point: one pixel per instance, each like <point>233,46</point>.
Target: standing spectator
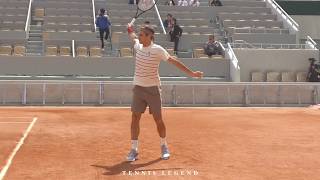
<point>212,47</point>
<point>183,3</point>
<point>168,22</point>
<point>215,3</point>
<point>170,3</point>
<point>194,3</point>
<point>175,34</point>
<point>103,24</point>
<point>314,71</point>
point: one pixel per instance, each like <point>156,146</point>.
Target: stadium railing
<point>104,93</point>
<point>28,21</point>
<point>94,15</point>
<point>288,21</point>
<point>234,64</point>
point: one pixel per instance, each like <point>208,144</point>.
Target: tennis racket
<point>142,7</point>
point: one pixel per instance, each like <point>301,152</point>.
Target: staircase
<point>35,41</point>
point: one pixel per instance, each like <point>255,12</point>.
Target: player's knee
<point>158,118</point>
<point>136,116</point>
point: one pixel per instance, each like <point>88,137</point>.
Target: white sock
<point>134,144</point>
<point>163,141</point>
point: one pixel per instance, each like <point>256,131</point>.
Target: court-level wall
<point>109,66</point>
<point>279,60</point>
<point>62,93</point>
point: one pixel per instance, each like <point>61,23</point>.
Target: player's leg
<point>107,33</point>
<point>176,45</point>
<point>101,31</point>
<point>135,125</point>
<point>138,106</point>
<point>157,116</point>
<point>155,107</point>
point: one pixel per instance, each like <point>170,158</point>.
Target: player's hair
<point>102,11</point>
<point>148,31</point>
<point>211,36</point>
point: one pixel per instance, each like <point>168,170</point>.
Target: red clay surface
<point>218,143</point>
<point>10,134</point>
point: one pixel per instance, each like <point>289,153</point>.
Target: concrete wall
<point>273,60</point>
<point>12,35</point>
<point>173,94</point>
<point>113,67</point>
<point>309,26</point>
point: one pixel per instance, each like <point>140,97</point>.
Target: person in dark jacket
<point>314,71</point>
<point>212,47</point>
<point>103,23</point>
<point>216,3</point>
<point>175,34</point>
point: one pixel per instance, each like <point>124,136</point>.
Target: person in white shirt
<point>183,3</point>
<point>147,91</point>
<point>194,3</point>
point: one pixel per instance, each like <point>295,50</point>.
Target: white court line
<point>16,149</point>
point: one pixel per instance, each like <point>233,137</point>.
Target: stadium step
<point>35,43</point>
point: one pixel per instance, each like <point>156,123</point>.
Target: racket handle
<point>132,21</point>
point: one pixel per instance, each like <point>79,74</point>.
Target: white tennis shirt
<point>147,64</point>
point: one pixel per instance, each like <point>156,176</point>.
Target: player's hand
<point>197,74</point>
<point>130,28</point>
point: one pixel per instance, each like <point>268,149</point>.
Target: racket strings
<point>145,5</point>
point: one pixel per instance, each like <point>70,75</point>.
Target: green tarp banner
<point>301,7</point>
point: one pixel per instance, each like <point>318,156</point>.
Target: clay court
<point>206,143</point>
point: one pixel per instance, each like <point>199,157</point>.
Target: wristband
<point>130,30</point>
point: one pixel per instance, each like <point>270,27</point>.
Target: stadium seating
<point>257,77</point>
<point>279,76</point>
<point>301,77</point>
<point>13,15</point>
<point>288,77</point>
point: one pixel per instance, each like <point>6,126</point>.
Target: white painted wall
<point>279,60</point>
<point>309,26</point>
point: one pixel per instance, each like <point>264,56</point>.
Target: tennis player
<point>146,90</point>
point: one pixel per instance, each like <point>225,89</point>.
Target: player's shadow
<point>127,166</point>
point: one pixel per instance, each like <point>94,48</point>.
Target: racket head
<point>145,5</point>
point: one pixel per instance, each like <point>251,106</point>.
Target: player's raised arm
<point>131,33</point>
<point>182,67</point>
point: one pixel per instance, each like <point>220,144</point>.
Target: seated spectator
<point>170,3</point>
<point>194,3</point>
<point>183,3</point>
<point>212,47</point>
<point>103,23</point>
<point>175,34</point>
<point>215,3</point>
<point>168,22</point>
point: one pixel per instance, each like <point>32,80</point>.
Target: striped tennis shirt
<point>147,64</point>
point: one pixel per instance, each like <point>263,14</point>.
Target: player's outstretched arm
<point>182,67</point>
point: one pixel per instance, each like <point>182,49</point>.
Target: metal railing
<point>160,19</point>
<point>174,94</point>
<point>283,15</point>
<point>94,15</point>
<point>234,64</point>
<point>268,46</point>
<point>259,30</point>
<point>73,49</point>
<point>311,43</point>
<point>28,21</point>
